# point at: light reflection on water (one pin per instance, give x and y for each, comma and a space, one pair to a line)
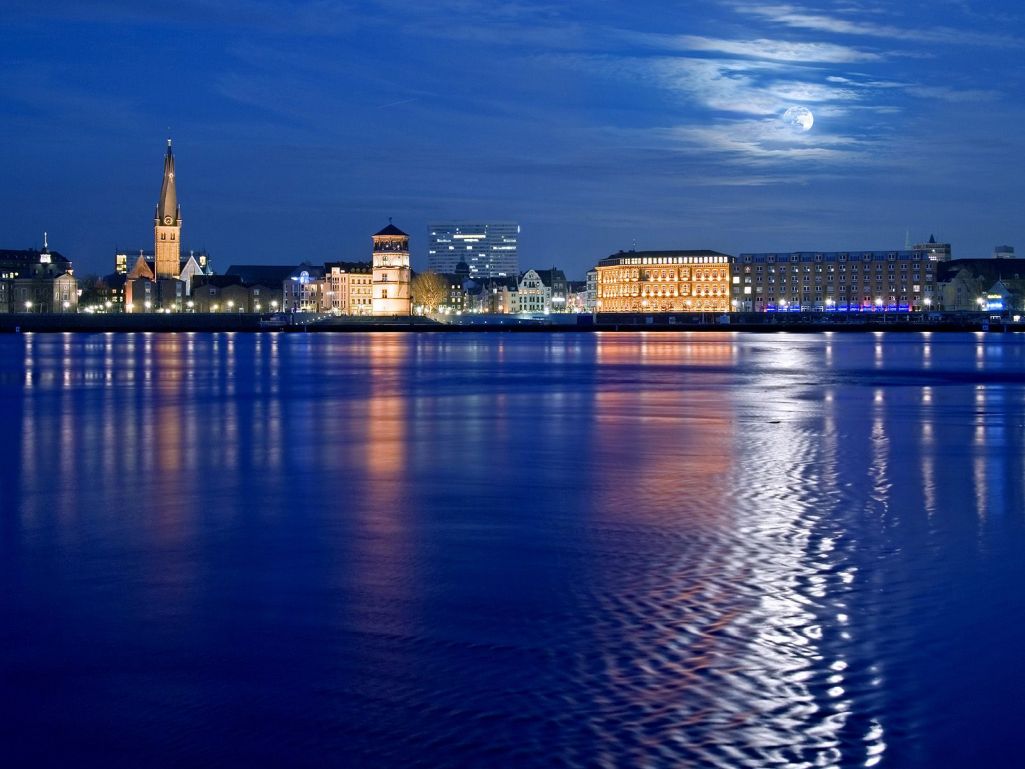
523, 550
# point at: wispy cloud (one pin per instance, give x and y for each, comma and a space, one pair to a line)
843, 22
761, 142
765, 49
955, 95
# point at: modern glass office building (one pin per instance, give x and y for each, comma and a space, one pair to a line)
488, 249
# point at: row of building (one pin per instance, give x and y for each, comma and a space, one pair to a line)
473, 268
901, 281
920, 279
346, 289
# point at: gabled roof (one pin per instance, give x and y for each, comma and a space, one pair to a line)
142, 268
548, 277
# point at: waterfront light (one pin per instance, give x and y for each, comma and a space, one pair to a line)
28, 306
148, 305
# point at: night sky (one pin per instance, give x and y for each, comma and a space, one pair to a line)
300, 127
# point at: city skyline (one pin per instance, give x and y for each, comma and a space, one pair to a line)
735, 127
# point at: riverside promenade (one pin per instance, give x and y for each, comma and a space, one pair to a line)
312, 323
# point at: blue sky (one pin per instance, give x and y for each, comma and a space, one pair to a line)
300, 127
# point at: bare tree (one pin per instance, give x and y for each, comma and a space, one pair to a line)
429, 291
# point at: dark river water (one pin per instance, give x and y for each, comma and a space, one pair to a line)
512, 550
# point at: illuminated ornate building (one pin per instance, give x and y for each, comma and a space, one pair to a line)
532, 295
162, 282
167, 224
541, 291
663, 281
391, 293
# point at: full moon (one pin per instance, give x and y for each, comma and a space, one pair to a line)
799, 118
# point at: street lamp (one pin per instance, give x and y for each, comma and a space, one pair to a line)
148, 304
28, 306
190, 304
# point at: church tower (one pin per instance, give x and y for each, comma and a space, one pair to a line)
167, 225
391, 272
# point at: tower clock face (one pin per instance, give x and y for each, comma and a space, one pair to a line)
167, 220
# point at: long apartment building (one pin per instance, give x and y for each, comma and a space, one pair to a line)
829, 281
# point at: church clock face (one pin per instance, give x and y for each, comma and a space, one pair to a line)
167, 220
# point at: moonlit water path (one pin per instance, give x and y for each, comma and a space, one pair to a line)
512, 550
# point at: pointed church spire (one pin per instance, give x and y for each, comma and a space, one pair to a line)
167, 227
168, 204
